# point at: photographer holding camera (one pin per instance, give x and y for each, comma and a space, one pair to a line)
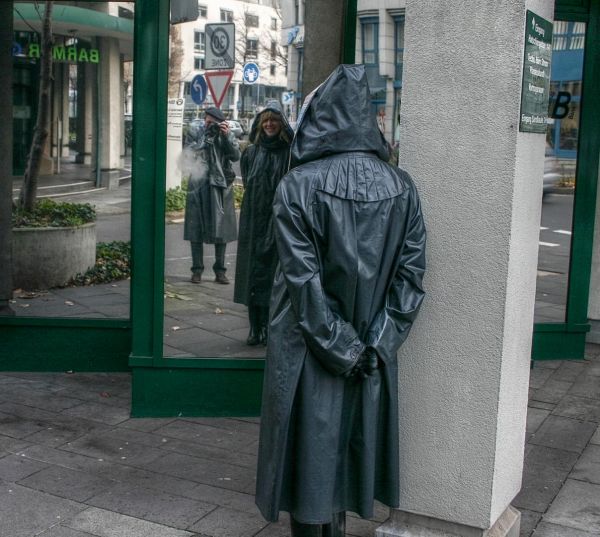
209, 210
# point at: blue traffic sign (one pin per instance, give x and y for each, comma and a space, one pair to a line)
251, 73
198, 89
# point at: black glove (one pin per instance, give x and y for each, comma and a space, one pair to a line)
367, 364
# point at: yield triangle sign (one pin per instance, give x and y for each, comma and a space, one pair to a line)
218, 83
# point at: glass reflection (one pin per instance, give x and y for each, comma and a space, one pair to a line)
227, 148
84, 164
559, 172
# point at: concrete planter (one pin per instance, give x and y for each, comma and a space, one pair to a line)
50, 256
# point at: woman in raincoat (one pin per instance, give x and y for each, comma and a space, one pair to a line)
263, 164
351, 243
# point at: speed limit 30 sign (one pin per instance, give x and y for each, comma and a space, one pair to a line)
220, 45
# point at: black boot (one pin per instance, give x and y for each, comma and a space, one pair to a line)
254, 318
264, 325
337, 527
305, 530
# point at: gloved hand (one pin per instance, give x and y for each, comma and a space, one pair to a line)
367, 364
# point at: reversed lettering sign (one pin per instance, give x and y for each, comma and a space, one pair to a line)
535, 91
220, 46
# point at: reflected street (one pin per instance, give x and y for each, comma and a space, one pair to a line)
554, 255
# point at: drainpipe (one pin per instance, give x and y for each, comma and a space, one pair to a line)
98, 143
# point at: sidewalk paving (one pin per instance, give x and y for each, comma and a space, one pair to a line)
73, 464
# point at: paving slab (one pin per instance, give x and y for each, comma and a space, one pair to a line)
529, 520
207, 434
25, 512
540, 486
552, 391
13, 468
103, 523
596, 438
570, 370
224, 522
579, 408
109, 414
587, 386
67, 483
209, 472
535, 418
588, 466
153, 505
64, 531
546, 529
103, 446
17, 427
564, 433
576, 506
538, 376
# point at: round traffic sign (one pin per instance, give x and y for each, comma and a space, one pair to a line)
219, 42
251, 73
198, 89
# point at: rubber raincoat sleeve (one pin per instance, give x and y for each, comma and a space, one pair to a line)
391, 325
331, 339
231, 148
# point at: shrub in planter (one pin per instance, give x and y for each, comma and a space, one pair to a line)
48, 213
52, 243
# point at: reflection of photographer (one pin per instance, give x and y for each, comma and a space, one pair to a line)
209, 210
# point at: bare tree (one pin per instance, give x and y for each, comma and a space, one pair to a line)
41, 130
175, 59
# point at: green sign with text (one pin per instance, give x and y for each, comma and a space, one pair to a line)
536, 74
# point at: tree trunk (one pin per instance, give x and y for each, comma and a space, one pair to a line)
41, 131
175, 59
6, 160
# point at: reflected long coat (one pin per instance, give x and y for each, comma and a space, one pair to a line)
351, 243
263, 165
209, 205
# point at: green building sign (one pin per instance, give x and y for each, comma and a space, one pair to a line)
536, 74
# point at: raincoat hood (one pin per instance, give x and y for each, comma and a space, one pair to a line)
272, 106
338, 118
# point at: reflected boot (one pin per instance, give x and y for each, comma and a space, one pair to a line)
337, 526
305, 530
254, 318
263, 332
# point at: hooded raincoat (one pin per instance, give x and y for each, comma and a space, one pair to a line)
263, 165
209, 207
351, 244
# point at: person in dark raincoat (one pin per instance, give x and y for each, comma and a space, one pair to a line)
209, 207
263, 164
351, 243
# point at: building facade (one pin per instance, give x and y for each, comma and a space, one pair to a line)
257, 40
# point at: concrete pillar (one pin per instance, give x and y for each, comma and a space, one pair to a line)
236, 98
6, 157
86, 78
464, 369
323, 34
594, 300
123, 149
111, 115
63, 112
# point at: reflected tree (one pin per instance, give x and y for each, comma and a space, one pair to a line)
41, 131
